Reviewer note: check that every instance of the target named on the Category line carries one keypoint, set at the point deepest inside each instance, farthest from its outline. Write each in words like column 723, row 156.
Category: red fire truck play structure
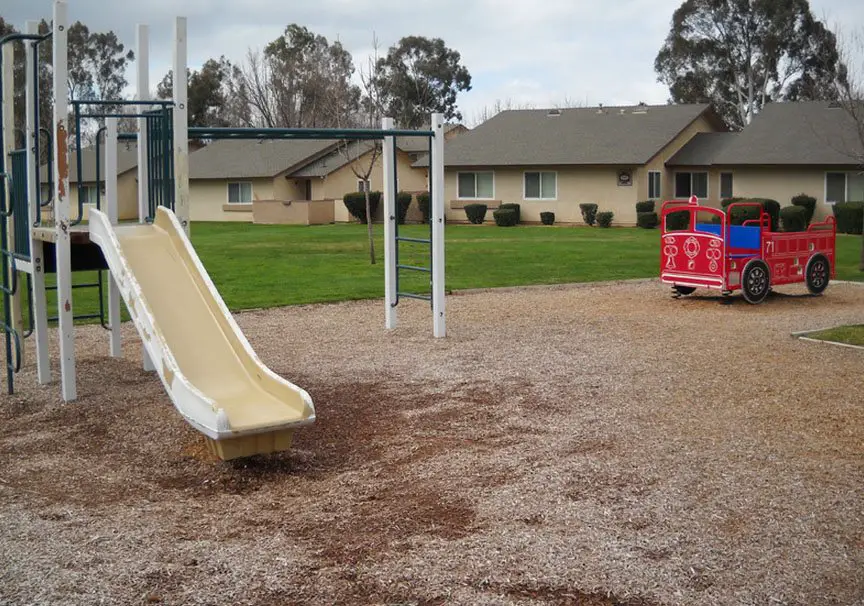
column 712, row 253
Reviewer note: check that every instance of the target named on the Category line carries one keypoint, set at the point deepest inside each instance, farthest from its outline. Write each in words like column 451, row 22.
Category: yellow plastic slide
column 207, row 366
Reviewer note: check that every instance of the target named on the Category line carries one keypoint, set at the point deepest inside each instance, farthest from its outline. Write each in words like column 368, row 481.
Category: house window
column 88, row 194
column 725, row 185
column 363, row 185
column 479, row 186
column 240, row 193
column 691, row 184
column 844, row 187
column 654, row 183
column 541, row 186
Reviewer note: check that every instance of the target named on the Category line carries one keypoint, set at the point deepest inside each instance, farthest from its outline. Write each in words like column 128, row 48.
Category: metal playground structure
column 149, row 264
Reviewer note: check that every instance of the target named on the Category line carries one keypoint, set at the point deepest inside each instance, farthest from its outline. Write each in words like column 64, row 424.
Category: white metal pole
column 181, row 123
column 6, row 147
column 389, row 228
column 436, row 167
column 37, row 247
column 111, row 203
column 142, row 62
column 61, row 205
column 142, row 43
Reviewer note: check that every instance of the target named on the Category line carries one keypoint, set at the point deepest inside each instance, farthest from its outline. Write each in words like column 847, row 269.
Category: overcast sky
column 538, row 52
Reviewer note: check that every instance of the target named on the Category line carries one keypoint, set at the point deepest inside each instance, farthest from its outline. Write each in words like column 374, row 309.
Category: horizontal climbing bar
column 200, row 132
column 93, row 285
column 81, row 317
column 408, row 295
column 415, row 268
column 122, row 102
column 92, row 115
column 23, row 37
column 417, row 240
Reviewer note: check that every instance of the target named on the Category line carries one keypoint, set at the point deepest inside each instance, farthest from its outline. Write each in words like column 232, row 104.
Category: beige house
column 554, row 160
column 127, row 181
column 788, row 149
column 289, row 181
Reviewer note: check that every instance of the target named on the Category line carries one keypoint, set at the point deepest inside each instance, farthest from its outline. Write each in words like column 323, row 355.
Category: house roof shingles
column 701, row 149
column 127, row 159
column 795, row 134
column 236, row 159
column 590, row 136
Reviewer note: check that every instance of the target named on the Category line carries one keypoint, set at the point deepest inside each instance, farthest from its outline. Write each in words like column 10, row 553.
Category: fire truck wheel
column 817, row 273
column 684, row 290
column 755, row 281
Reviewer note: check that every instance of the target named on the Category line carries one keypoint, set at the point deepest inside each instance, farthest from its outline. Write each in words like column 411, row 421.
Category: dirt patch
column 569, row 596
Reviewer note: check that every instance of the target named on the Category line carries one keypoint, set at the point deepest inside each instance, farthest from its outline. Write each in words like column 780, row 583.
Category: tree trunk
column 369, row 227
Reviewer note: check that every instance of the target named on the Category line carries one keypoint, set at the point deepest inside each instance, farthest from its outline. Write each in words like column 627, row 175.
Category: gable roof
column 792, row 133
column 127, row 159
column 238, row 158
column 701, row 149
column 592, row 135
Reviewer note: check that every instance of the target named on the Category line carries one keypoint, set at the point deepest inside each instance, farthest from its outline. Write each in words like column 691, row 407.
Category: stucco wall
column 209, row 199
column 293, row 212
column 782, row 184
column 658, row 162
column 575, row 185
column 127, row 198
column 335, row 185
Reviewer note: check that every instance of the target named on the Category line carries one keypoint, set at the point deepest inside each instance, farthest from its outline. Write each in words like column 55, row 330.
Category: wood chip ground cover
column 596, row 445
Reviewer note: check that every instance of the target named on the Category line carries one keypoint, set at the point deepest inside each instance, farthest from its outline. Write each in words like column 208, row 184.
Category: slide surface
column 207, row 366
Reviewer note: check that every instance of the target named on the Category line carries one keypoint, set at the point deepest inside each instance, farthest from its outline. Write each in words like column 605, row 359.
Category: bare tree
column 490, row 111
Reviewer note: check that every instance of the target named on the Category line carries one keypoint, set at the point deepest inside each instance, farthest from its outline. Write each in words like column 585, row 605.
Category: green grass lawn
column 271, row 265
column 852, row 335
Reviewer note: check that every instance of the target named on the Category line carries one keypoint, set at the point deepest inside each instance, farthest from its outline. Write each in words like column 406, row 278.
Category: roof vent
column 600, row 108
column 553, row 112
column 640, row 111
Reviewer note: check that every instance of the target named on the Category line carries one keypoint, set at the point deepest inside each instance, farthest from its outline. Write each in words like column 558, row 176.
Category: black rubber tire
column 684, row 290
column 755, row 281
column 817, row 274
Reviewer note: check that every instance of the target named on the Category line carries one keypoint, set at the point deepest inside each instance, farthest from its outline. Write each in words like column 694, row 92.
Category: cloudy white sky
column 538, row 52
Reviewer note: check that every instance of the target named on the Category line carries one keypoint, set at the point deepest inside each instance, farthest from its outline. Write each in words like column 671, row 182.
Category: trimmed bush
column 678, row 221
column 476, row 213
column 423, row 205
column 505, row 217
column 808, row 203
column 547, row 218
column 850, row 216
column 514, row 207
column 794, row 218
column 604, row 219
column 772, row 207
column 355, row 202
column 647, row 220
column 403, row 201
column 645, row 207
column 589, row 213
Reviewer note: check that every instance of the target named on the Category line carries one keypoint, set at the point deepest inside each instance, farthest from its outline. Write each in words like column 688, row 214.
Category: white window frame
column 228, row 192
column 691, row 173
column 541, row 173
column 845, row 174
column 659, row 174
column 720, row 184
column 88, row 188
column 361, row 183
column 475, row 173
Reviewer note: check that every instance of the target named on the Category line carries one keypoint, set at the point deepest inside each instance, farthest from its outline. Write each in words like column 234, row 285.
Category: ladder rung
column 81, row 317
column 74, row 286
column 409, row 295
column 417, row 240
column 414, row 268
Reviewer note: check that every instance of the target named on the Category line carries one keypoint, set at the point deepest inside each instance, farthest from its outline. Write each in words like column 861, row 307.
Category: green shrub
column 589, row 213
column 808, row 203
column 476, row 213
column 403, row 201
column 604, row 219
column 772, row 207
column 355, row 202
column 423, row 205
column 514, row 207
column 547, row 218
column 794, row 218
column 505, row 217
column 678, row 220
column 645, row 207
column 850, row 216
column 647, row 220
